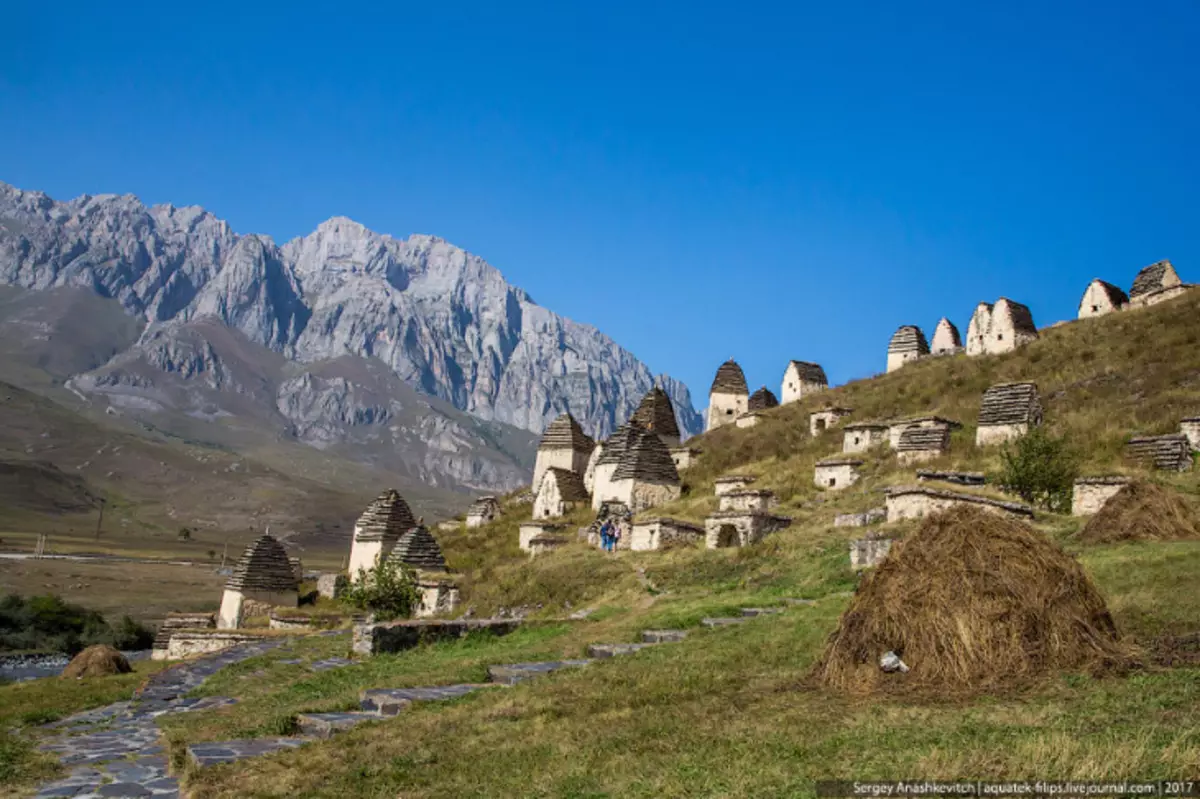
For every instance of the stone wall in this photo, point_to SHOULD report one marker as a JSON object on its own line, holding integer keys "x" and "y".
{"x": 725, "y": 408}
{"x": 749, "y": 419}
{"x": 373, "y": 638}
{"x": 747, "y": 499}
{"x": 1100, "y": 298}
{"x": 867, "y": 553}
{"x": 559, "y": 458}
{"x": 602, "y": 488}
{"x": 364, "y": 555}
{"x": 864, "y": 519}
{"x": 531, "y": 530}
{"x": 987, "y": 435}
{"x": 437, "y": 596}
{"x": 740, "y": 528}
{"x": 835, "y": 477}
{"x": 860, "y": 439}
{"x": 1191, "y": 429}
{"x": 331, "y": 585}
{"x": 916, "y": 503}
{"x": 683, "y": 457}
{"x": 190, "y": 644}
{"x": 895, "y": 360}
{"x": 1090, "y": 493}
{"x": 822, "y": 420}
{"x": 1155, "y": 297}
{"x": 239, "y": 605}
{"x": 639, "y": 495}
{"x": 657, "y": 534}
{"x": 730, "y": 483}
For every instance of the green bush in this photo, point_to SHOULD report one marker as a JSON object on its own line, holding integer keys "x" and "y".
{"x": 44, "y": 623}
{"x": 1041, "y": 469}
{"x": 389, "y": 591}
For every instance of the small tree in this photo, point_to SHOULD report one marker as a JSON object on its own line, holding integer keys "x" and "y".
{"x": 1040, "y": 468}
{"x": 389, "y": 591}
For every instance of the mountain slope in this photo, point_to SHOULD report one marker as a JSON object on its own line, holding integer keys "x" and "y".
{"x": 442, "y": 320}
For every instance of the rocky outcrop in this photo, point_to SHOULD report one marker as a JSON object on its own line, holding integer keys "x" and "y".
{"x": 441, "y": 319}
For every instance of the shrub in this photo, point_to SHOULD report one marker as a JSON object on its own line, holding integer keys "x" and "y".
{"x": 389, "y": 591}
{"x": 1041, "y": 469}
{"x": 49, "y": 623}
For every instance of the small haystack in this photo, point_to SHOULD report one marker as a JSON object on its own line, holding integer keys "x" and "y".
{"x": 973, "y": 601}
{"x": 1142, "y": 511}
{"x": 100, "y": 660}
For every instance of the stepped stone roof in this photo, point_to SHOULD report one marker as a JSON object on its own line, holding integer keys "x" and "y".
{"x": 1011, "y": 403}
{"x": 182, "y": 621}
{"x": 565, "y": 433}
{"x": 264, "y": 566}
{"x": 961, "y": 478}
{"x": 1104, "y": 480}
{"x": 420, "y": 550}
{"x": 1012, "y": 507}
{"x": 839, "y": 461}
{"x": 729, "y": 380}
{"x": 618, "y": 442}
{"x": 946, "y": 334}
{"x": 673, "y": 523}
{"x": 909, "y": 338}
{"x": 942, "y": 420}
{"x": 385, "y": 519}
{"x": 924, "y": 439}
{"x": 1170, "y": 452}
{"x": 483, "y": 506}
{"x": 1115, "y": 295}
{"x": 762, "y": 399}
{"x": 809, "y": 372}
{"x": 867, "y": 425}
{"x": 570, "y": 484}
{"x": 735, "y": 478}
{"x": 1152, "y": 278}
{"x": 647, "y": 459}
{"x": 656, "y": 414}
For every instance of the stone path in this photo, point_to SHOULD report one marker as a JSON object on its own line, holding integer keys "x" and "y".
{"x": 115, "y": 750}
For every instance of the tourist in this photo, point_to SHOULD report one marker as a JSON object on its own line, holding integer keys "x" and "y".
{"x": 606, "y": 536}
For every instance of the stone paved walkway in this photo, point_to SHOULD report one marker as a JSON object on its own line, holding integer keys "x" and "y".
{"x": 114, "y": 749}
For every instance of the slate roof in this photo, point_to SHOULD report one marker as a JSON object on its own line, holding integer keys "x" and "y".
{"x": 264, "y": 566}
{"x": 656, "y": 414}
{"x": 420, "y": 550}
{"x": 941, "y": 420}
{"x": 565, "y": 433}
{"x": 182, "y": 621}
{"x": 1022, "y": 317}
{"x": 1115, "y": 295}
{"x": 961, "y": 478}
{"x": 618, "y": 442}
{"x": 809, "y": 372}
{"x": 1010, "y": 403}
{"x": 1151, "y": 278}
{"x": 909, "y": 338}
{"x": 924, "y": 439}
{"x": 729, "y": 380}
{"x": 1170, "y": 452}
{"x": 570, "y": 485}
{"x": 839, "y": 461}
{"x": 1012, "y": 507}
{"x": 647, "y": 459}
{"x": 762, "y": 399}
{"x": 866, "y": 425}
{"x": 386, "y": 519}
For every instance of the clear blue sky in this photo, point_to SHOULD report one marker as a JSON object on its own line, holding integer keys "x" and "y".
{"x": 698, "y": 180}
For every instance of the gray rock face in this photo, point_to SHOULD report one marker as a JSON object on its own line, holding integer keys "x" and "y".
{"x": 442, "y": 320}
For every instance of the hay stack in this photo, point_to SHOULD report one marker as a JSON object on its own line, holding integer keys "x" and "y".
{"x": 973, "y": 601}
{"x": 1142, "y": 512}
{"x": 100, "y": 660}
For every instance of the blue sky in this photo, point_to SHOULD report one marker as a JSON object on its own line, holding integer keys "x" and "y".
{"x": 765, "y": 181}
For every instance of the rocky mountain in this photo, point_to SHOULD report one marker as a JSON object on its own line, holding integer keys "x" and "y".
{"x": 325, "y": 338}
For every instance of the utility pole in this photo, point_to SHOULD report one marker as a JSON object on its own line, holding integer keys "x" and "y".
{"x": 224, "y": 552}
{"x": 100, "y": 520}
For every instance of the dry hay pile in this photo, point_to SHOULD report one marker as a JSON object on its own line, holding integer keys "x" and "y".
{"x": 973, "y": 601}
{"x": 1142, "y": 512}
{"x": 100, "y": 660}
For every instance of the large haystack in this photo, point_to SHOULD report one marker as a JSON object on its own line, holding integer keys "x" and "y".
{"x": 1142, "y": 511}
{"x": 100, "y": 660}
{"x": 973, "y": 601}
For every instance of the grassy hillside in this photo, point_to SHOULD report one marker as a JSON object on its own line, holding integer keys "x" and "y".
{"x": 731, "y": 711}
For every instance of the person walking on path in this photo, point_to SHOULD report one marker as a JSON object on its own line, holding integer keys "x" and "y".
{"x": 606, "y": 536}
